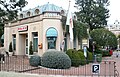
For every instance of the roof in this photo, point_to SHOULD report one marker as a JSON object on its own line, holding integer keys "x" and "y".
{"x": 42, "y": 9}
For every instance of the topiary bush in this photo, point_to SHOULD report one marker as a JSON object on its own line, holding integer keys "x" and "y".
{"x": 35, "y": 60}
{"x": 56, "y": 60}
{"x": 70, "y": 52}
{"x": 89, "y": 57}
{"x": 75, "y": 58}
{"x": 82, "y": 57}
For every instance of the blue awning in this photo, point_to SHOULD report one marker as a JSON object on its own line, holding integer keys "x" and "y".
{"x": 51, "y": 32}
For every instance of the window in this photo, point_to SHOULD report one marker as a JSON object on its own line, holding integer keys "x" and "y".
{"x": 14, "y": 42}
{"x": 21, "y": 15}
{"x": 51, "y": 35}
{"x": 35, "y": 42}
{"x": 37, "y": 11}
{"x": 51, "y": 42}
{"x": 28, "y": 14}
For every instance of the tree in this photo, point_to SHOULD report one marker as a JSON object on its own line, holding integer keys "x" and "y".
{"x": 104, "y": 38}
{"x": 93, "y": 12}
{"x": 80, "y": 31}
{"x": 9, "y": 10}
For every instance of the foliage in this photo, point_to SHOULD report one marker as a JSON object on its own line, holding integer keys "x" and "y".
{"x": 89, "y": 56}
{"x": 35, "y": 60}
{"x": 9, "y": 10}
{"x": 119, "y": 36}
{"x": 99, "y": 57}
{"x": 105, "y": 53}
{"x": 75, "y": 57}
{"x": 80, "y": 31}
{"x": 93, "y": 12}
{"x": 55, "y": 59}
{"x": 82, "y": 57}
{"x": 10, "y": 47}
{"x": 103, "y": 37}
{"x": 31, "y": 48}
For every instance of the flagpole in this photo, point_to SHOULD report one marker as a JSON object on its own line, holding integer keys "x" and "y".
{"x": 65, "y": 38}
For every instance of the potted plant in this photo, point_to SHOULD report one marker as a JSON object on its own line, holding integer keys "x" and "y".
{"x": 10, "y": 49}
{"x": 30, "y": 48}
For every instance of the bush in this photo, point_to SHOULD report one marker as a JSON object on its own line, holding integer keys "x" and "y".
{"x": 70, "y": 52}
{"x": 89, "y": 56}
{"x": 75, "y": 58}
{"x": 105, "y": 53}
{"x": 35, "y": 60}
{"x": 82, "y": 57}
{"x": 56, "y": 59}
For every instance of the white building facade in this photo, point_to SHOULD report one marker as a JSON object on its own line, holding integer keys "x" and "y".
{"x": 42, "y": 25}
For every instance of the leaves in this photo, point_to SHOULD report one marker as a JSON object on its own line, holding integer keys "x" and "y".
{"x": 9, "y": 10}
{"x": 80, "y": 30}
{"x": 103, "y": 37}
{"x": 93, "y": 12}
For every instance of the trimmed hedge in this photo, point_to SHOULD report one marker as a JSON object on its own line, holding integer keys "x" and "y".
{"x": 35, "y": 60}
{"x": 89, "y": 56}
{"x": 82, "y": 57}
{"x": 56, "y": 60}
{"x": 75, "y": 58}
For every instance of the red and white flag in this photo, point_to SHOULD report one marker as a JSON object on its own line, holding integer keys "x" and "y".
{"x": 70, "y": 23}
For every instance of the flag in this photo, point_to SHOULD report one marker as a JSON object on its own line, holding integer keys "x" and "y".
{"x": 70, "y": 23}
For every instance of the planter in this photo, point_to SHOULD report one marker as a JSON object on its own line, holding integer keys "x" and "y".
{"x": 10, "y": 53}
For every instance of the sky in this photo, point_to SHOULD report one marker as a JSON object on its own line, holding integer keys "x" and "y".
{"x": 113, "y": 7}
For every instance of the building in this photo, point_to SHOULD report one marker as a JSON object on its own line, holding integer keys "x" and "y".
{"x": 115, "y": 28}
{"x": 42, "y": 25}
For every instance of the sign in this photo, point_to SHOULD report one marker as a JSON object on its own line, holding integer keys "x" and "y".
{"x": 85, "y": 51}
{"x": 62, "y": 45}
{"x": 23, "y": 28}
{"x": 96, "y": 68}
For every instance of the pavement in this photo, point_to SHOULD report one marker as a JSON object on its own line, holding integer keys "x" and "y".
{"x": 13, "y": 74}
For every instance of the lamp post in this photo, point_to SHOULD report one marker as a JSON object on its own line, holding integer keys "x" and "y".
{"x": 94, "y": 56}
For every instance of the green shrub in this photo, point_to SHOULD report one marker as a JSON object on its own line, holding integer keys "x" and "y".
{"x": 82, "y": 58}
{"x": 89, "y": 56}
{"x": 98, "y": 51}
{"x": 31, "y": 48}
{"x": 70, "y": 52}
{"x": 35, "y": 60}
{"x": 105, "y": 53}
{"x": 99, "y": 57}
{"x": 75, "y": 58}
{"x": 56, "y": 59}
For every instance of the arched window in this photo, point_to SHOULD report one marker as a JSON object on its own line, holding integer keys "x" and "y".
{"x": 51, "y": 35}
{"x": 37, "y": 11}
{"x": 28, "y": 14}
{"x": 21, "y": 15}
{"x": 62, "y": 12}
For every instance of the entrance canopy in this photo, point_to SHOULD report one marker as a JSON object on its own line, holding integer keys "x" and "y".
{"x": 51, "y": 32}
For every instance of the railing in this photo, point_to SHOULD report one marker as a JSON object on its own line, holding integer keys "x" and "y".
{"x": 21, "y": 64}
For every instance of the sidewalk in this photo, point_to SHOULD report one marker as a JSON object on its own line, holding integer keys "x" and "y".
{"x": 13, "y": 74}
